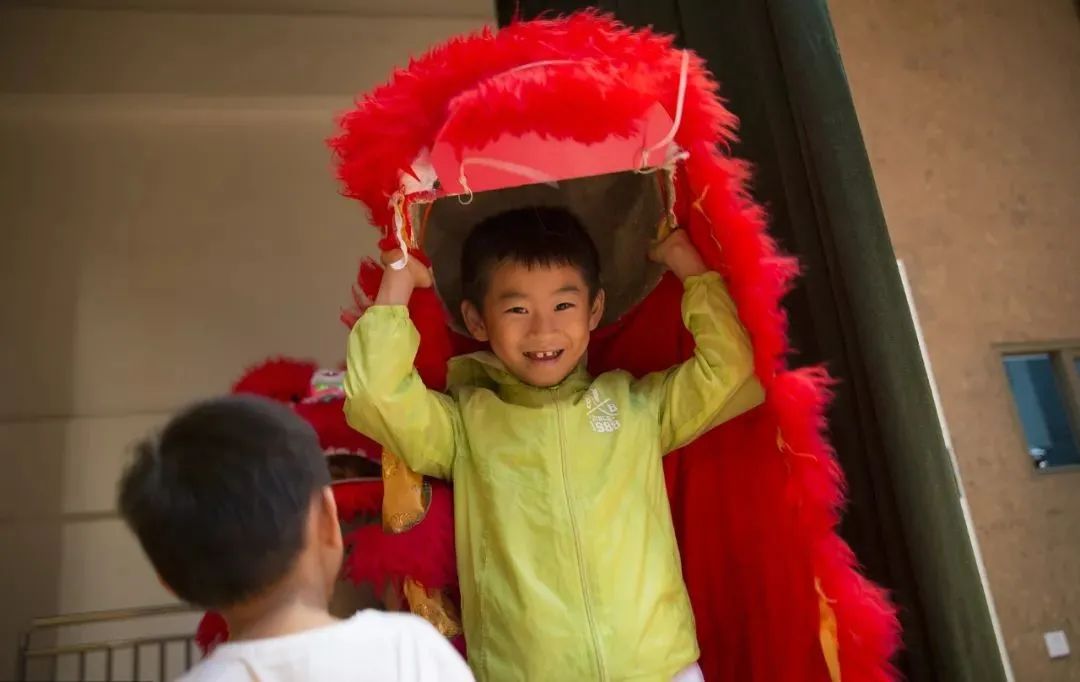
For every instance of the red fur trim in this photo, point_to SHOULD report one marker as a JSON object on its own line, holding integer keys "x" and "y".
{"x": 334, "y": 433}
{"x": 288, "y": 380}
{"x": 756, "y": 501}
{"x": 356, "y": 498}
{"x": 623, "y": 73}
{"x": 211, "y": 632}
{"x": 424, "y": 553}
{"x": 869, "y": 632}
{"x": 729, "y": 229}
{"x": 285, "y": 379}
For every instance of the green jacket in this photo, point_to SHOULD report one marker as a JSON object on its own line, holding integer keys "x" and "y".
{"x": 566, "y": 551}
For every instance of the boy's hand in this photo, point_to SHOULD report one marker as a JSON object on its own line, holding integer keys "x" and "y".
{"x": 397, "y": 285}
{"x": 679, "y": 254}
{"x": 417, "y": 271}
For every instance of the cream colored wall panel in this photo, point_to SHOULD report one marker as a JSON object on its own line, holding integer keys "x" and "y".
{"x": 31, "y": 470}
{"x": 154, "y": 257}
{"x": 56, "y": 467}
{"x": 72, "y": 51}
{"x": 102, "y": 567}
{"x": 98, "y": 451}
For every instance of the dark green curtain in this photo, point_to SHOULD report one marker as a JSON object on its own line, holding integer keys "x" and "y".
{"x": 780, "y": 72}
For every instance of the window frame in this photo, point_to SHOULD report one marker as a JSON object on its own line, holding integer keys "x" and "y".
{"x": 1064, "y": 356}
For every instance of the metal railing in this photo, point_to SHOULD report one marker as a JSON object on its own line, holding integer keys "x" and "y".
{"x": 151, "y": 658}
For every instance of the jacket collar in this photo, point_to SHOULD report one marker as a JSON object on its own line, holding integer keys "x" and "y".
{"x": 484, "y": 370}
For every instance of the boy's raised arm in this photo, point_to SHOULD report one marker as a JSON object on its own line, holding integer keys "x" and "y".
{"x": 718, "y": 382}
{"x": 385, "y": 397}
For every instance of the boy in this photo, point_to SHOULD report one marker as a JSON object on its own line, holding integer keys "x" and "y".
{"x": 232, "y": 504}
{"x": 566, "y": 550}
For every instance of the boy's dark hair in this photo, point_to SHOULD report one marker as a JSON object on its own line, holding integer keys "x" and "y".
{"x": 531, "y": 236}
{"x": 220, "y": 499}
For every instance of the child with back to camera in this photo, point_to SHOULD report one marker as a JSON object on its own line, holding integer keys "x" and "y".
{"x": 232, "y": 504}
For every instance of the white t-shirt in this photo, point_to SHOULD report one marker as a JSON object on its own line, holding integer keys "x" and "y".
{"x": 372, "y": 646}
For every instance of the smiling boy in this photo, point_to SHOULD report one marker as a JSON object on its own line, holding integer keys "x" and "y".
{"x": 566, "y": 550}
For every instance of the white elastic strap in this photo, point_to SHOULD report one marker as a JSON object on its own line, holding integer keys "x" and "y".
{"x": 466, "y": 196}
{"x": 684, "y": 75}
{"x": 677, "y": 155}
{"x": 532, "y": 65}
{"x": 524, "y": 171}
{"x": 399, "y": 231}
{"x": 537, "y": 176}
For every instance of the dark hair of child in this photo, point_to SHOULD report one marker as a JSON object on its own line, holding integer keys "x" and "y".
{"x": 220, "y": 499}
{"x": 534, "y": 236}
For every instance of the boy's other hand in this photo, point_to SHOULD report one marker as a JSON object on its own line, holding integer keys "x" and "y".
{"x": 397, "y": 285}
{"x": 415, "y": 270}
{"x": 679, "y": 254}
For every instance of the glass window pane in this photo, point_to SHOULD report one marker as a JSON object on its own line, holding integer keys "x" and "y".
{"x": 1043, "y": 412}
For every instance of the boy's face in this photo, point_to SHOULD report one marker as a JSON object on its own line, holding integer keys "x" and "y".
{"x": 536, "y": 319}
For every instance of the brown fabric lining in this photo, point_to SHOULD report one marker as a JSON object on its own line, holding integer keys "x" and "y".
{"x": 623, "y": 213}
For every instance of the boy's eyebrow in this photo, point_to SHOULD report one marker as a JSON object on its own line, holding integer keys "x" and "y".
{"x": 565, "y": 289}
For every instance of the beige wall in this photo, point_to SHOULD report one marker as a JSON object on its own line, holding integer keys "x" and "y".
{"x": 970, "y": 111}
{"x": 168, "y": 215}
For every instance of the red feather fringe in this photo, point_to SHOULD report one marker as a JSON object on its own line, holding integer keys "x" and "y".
{"x": 358, "y": 498}
{"x": 424, "y": 553}
{"x": 287, "y": 380}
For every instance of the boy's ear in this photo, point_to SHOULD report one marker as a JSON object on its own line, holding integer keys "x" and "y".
{"x": 597, "y": 312}
{"x": 329, "y": 524}
{"x": 474, "y": 321}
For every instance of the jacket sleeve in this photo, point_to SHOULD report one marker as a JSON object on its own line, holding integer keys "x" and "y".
{"x": 386, "y": 400}
{"x": 718, "y": 382}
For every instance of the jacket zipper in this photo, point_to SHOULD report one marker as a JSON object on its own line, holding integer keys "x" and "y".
{"x": 577, "y": 543}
